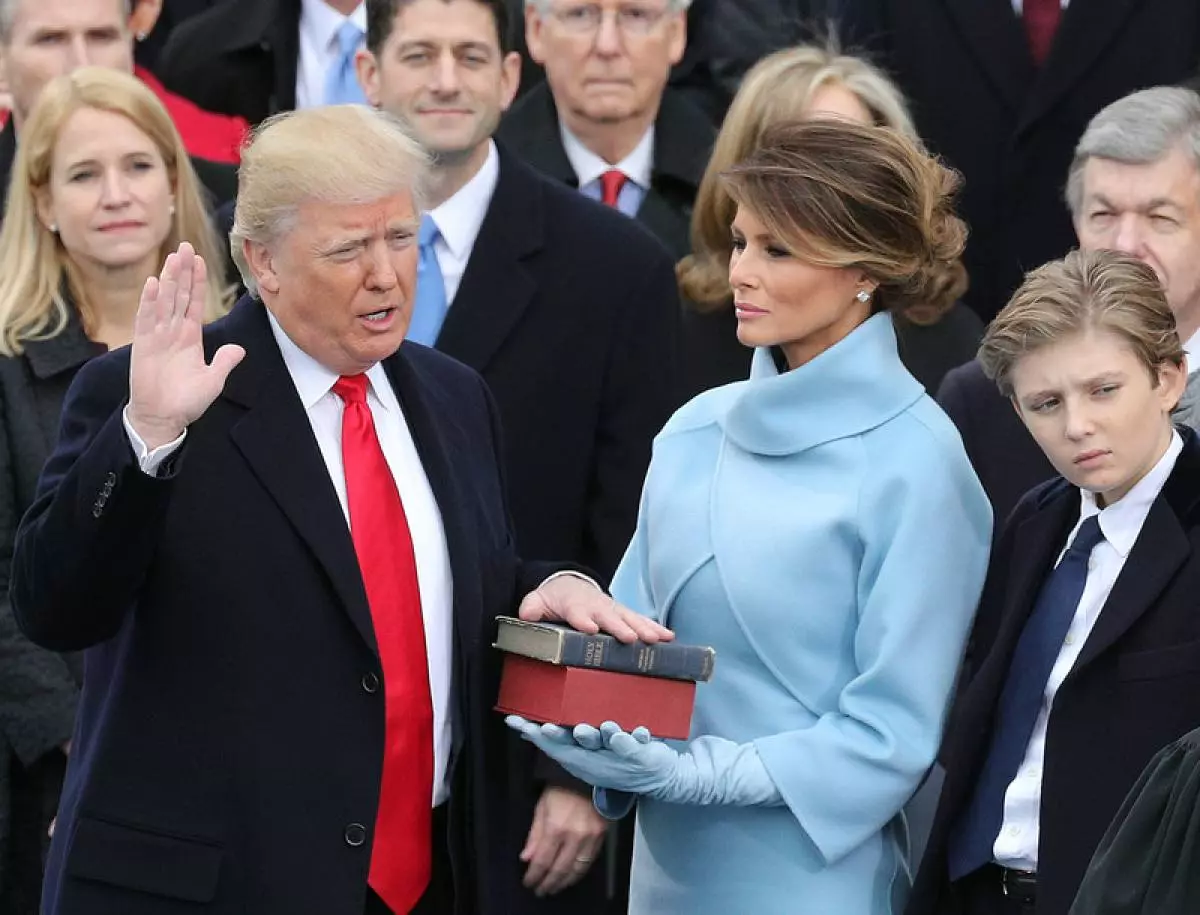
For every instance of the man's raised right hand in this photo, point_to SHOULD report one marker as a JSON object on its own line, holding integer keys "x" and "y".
{"x": 170, "y": 384}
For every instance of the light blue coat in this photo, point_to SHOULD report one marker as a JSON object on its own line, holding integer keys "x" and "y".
{"x": 823, "y": 530}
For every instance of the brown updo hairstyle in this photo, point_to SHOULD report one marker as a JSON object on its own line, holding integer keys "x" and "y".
{"x": 840, "y": 194}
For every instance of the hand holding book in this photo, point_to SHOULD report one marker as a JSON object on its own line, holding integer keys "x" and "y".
{"x": 712, "y": 771}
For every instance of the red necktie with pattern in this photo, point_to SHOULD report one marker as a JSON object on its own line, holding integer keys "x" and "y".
{"x": 1041, "y": 18}
{"x": 401, "y": 857}
{"x": 611, "y": 183}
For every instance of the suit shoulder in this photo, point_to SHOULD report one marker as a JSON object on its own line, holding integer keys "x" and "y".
{"x": 438, "y": 366}
{"x": 966, "y": 379}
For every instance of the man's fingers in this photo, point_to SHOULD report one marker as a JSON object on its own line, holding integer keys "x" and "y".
{"x": 532, "y": 840}
{"x": 541, "y": 859}
{"x": 647, "y": 630}
{"x": 567, "y": 867}
{"x": 225, "y": 360}
{"x": 168, "y": 285}
{"x": 184, "y": 287}
{"x": 199, "y": 293}
{"x": 534, "y": 608}
{"x": 146, "y": 318}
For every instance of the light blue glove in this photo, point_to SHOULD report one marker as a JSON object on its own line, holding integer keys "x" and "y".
{"x": 713, "y": 771}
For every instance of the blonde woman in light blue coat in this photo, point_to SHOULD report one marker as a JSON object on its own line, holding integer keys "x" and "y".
{"x": 821, "y": 527}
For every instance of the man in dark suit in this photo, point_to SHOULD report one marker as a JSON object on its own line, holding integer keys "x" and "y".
{"x": 254, "y": 58}
{"x": 605, "y": 121}
{"x": 42, "y": 39}
{"x": 285, "y": 567}
{"x": 569, "y": 312}
{"x": 1004, "y": 88}
{"x": 1084, "y": 659}
{"x": 1133, "y": 186}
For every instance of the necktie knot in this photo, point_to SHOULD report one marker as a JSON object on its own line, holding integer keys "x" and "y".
{"x": 351, "y": 388}
{"x": 1087, "y": 537}
{"x": 611, "y": 183}
{"x": 428, "y": 232}
{"x": 348, "y": 38}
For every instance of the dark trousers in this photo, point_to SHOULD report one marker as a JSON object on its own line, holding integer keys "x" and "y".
{"x": 438, "y": 898}
{"x": 983, "y": 894}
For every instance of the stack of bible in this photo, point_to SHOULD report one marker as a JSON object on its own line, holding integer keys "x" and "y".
{"x": 556, "y": 675}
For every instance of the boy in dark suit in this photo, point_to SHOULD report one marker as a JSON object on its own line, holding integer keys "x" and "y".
{"x": 1085, "y": 656}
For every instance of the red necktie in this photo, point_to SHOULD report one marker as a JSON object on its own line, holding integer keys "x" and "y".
{"x": 611, "y": 183}
{"x": 1041, "y": 22}
{"x": 401, "y": 856}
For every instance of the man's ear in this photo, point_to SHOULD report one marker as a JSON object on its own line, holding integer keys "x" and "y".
{"x": 510, "y": 78}
{"x": 533, "y": 34}
{"x": 366, "y": 68}
{"x": 262, "y": 265}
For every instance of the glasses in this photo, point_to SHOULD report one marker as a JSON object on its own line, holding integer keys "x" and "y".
{"x": 585, "y": 19}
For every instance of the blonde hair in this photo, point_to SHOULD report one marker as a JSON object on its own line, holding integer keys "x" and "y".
{"x": 1086, "y": 290}
{"x": 333, "y": 154}
{"x": 34, "y": 265}
{"x": 844, "y": 195}
{"x": 780, "y": 88}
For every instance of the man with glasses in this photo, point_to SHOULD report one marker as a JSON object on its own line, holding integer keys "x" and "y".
{"x": 605, "y": 121}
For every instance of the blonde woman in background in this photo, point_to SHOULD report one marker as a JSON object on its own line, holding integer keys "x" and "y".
{"x": 796, "y": 83}
{"x": 101, "y": 190}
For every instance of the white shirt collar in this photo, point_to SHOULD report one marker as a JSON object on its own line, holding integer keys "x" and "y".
{"x": 313, "y": 380}
{"x": 588, "y": 166}
{"x": 320, "y": 22}
{"x": 460, "y": 217}
{"x": 1122, "y": 521}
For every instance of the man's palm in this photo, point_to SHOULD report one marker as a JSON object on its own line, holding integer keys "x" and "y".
{"x": 170, "y": 384}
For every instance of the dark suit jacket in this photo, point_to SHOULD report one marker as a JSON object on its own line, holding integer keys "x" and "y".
{"x": 38, "y": 688}
{"x": 218, "y": 180}
{"x": 1134, "y": 688}
{"x": 237, "y": 58}
{"x": 1011, "y": 129}
{"x": 1006, "y": 459}
{"x": 226, "y": 745}
{"x": 570, "y": 313}
{"x": 683, "y": 137}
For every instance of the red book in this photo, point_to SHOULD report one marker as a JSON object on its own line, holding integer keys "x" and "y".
{"x": 555, "y": 694}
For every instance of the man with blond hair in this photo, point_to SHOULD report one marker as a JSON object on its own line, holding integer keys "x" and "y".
{"x": 285, "y": 565}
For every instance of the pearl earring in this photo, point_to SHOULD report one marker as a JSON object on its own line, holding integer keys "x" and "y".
{"x": 54, "y": 228}
{"x": 142, "y": 36}
{"x": 863, "y": 296}
{"x": 172, "y": 209}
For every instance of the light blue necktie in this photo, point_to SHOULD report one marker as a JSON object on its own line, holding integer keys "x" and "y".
{"x": 429, "y": 309}
{"x": 341, "y": 85}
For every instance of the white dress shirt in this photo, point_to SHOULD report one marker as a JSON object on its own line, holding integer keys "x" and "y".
{"x": 1019, "y": 6}
{"x": 314, "y": 384}
{"x": 1016, "y": 846}
{"x": 459, "y": 219}
{"x": 319, "y": 51}
{"x": 637, "y": 167}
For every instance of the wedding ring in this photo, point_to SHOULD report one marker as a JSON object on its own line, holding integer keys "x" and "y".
{"x": 582, "y": 859}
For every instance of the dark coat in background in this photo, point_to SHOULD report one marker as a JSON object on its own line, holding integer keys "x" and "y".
{"x": 1134, "y": 688}
{"x": 1010, "y": 128}
{"x": 39, "y": 689}
{"x": 237, "y": 58}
